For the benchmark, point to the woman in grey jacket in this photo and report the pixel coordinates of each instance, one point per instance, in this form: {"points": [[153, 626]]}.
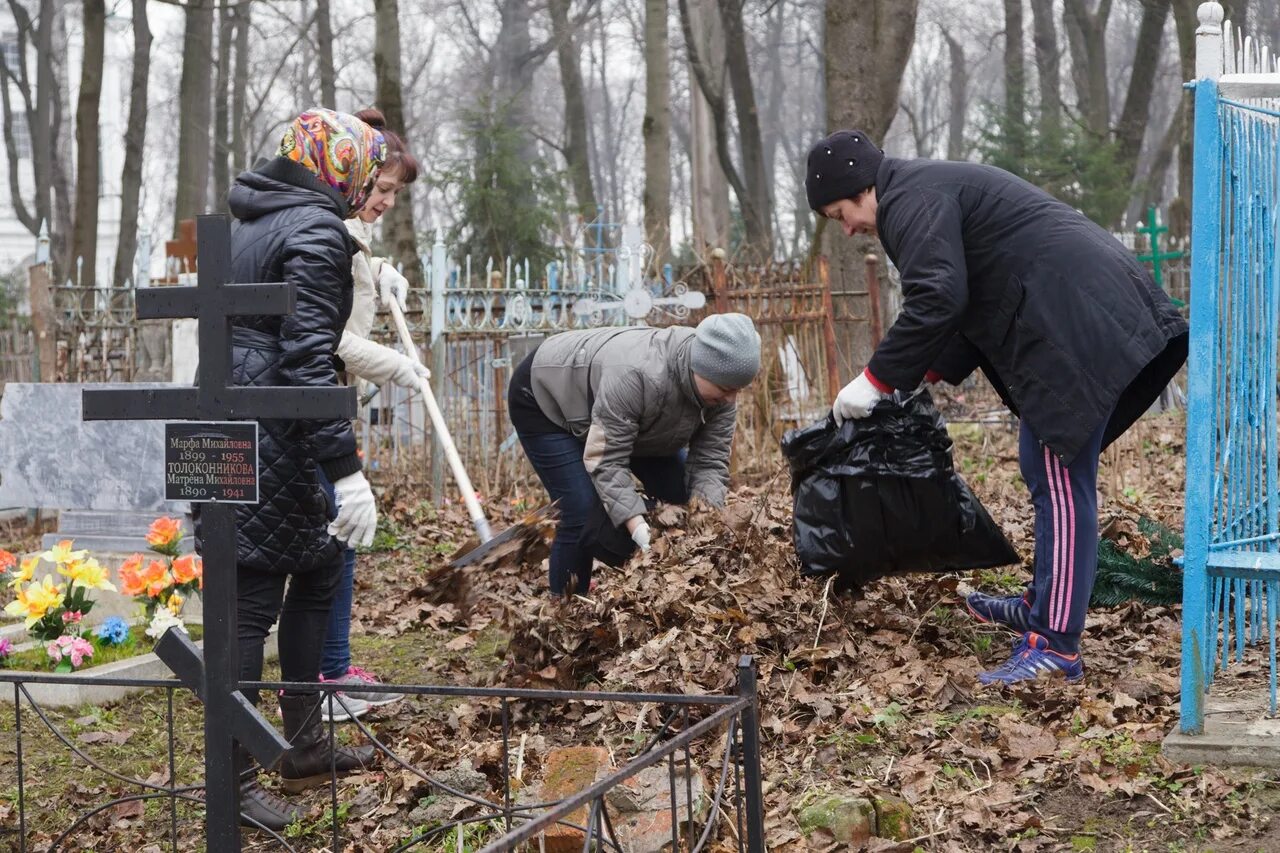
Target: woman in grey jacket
{"points": [[597, 409]]}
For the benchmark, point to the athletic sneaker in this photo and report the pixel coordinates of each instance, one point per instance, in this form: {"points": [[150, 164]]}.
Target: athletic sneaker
{"points": [[357, 677], [340, 707], [1031, 659], [1011, 611]]}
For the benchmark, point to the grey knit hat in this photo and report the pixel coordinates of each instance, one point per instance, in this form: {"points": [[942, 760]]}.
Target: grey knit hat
{"points": [[726, 350]]}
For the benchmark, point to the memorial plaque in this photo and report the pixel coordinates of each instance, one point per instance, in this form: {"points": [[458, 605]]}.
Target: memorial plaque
{"points": [[211, 461]]}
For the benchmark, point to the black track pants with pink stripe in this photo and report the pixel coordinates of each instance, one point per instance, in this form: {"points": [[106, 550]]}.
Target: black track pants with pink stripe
{"points": [[1065, 498]]}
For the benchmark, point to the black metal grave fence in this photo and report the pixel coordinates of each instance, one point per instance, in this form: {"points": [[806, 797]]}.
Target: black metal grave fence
{"points": [[688, 723]]}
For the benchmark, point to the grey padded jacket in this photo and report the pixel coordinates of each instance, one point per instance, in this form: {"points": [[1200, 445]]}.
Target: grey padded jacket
{"points": [[629, 392]]}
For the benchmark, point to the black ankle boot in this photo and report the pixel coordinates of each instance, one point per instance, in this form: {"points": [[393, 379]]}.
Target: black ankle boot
{"points": [[259, 808], [308, 763]]}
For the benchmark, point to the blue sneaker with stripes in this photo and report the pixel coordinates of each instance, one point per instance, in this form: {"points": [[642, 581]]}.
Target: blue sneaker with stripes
{"points": [[1011, 611], [1031, 659]]}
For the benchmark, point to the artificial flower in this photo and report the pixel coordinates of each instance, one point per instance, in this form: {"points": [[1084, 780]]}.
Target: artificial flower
{"points": [[72, 617], [157, 578], [163, 621], [89, 574], [164, 533], [131, 580], [75, 649], [113, 631], [7, 561], [36, 600], [175, 603], [187, 568], [26, 572], [62, 553], [6, 648]]}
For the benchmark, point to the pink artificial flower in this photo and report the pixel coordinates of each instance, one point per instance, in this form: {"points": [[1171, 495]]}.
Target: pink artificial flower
{"points": [[55, 649], [72, 616], [6, 648], [80, 649]]}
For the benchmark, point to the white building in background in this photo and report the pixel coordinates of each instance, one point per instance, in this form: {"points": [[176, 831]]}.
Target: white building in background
{"points": [[17, 244]]}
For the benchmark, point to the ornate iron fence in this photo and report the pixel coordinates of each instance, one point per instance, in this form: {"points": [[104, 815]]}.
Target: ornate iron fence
{"points": [[698, 734]]}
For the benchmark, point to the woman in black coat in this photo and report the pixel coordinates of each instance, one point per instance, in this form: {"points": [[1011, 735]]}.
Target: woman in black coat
{"points": [[290, 214], [1065, 322]]}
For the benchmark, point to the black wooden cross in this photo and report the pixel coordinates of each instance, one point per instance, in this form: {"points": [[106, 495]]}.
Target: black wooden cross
{"points": [[215, 675]]}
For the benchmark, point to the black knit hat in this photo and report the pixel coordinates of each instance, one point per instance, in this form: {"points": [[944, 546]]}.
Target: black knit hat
{"points": [[840, 166]]}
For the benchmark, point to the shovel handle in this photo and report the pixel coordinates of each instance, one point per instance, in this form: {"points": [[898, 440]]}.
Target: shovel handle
{"points": [[478, 519]]}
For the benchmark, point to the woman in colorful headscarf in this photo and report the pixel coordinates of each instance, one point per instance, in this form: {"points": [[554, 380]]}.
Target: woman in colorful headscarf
{"points": [[291, 213]]}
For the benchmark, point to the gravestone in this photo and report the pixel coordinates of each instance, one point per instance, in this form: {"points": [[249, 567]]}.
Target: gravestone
{"points": [[105, 478]]}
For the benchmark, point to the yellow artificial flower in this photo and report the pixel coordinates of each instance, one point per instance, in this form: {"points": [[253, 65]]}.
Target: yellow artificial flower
{"points": [[36, 600], [175, 603], [88, 574], [26, 573], [62, 553]]}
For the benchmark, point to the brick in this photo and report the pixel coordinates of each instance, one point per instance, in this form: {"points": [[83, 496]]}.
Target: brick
{"points": [[565, 772], [849, 820]]}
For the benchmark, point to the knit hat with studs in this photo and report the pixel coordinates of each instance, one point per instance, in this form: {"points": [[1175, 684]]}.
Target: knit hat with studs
{"points": [[840, 166]]}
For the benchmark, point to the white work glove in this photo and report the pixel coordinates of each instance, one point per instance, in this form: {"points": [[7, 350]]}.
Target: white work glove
{"points": [[409, 373], [357, 512], [392, 285], [640, 536], [857, 399]]}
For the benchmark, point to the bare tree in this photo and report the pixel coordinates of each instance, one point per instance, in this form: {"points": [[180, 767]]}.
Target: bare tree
{"points": [[1136, 113], [84, 242], [398, 226], [710, 184], [959, 97], [1087, 36], [657, 130], [221, 105], [576, 142], [324, 45], [195, 107], [1015, 81], [134, 140], [240, 89], [1048, 67], [756, 207]]}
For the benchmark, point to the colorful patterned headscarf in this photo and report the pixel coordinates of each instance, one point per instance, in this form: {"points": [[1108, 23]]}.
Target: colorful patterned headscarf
{"points": [[340, 149]]}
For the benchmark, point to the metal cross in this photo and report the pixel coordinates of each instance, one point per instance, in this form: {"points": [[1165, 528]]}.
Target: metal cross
{"points": [[1153, 229], [215, 675]]}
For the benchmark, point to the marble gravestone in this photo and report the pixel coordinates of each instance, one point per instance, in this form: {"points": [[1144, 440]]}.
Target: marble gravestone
{"points": [[105, 477]]}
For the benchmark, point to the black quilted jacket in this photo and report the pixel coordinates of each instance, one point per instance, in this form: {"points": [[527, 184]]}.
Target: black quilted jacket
{"points": [[290, 228]]}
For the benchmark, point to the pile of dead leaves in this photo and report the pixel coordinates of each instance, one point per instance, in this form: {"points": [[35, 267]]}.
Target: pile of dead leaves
{"points": [[870, 696]]}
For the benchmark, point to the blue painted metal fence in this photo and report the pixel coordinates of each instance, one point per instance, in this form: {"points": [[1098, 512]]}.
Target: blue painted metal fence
{"points": [[1232, 561]]}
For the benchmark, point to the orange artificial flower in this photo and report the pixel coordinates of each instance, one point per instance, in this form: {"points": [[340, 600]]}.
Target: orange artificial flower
{"points": [[157, 578], [187, 568], [164, 532], [7, 561], [131, 581]]}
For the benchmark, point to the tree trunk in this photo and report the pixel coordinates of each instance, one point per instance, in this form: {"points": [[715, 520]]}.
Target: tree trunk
{"points": [[221, 107], [88, 169], [710, 187], [756, 209], [1015, 83], [35, 109], [577, 145], [239, 88], [657, 131], [398, 227], [959, 98], [60, 228], [1137, 101], [134, 139], [1185, 24], [1048, 70], [324, 44], [866, 46], [194, 105], [1088, 35]]}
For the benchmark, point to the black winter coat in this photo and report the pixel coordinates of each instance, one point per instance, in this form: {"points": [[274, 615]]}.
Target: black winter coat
{"points": [[290, 228], [997, 274]]}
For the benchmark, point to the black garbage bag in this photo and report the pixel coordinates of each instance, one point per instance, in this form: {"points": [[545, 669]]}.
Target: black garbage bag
{"points": [[879, 496]]}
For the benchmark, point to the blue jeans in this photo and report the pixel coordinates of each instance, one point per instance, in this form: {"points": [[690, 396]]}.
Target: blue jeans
{"points": [[335, 658], [557, 459]]}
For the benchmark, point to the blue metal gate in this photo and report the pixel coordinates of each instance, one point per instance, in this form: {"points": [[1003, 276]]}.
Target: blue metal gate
{"points": [[1232, 562]]}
